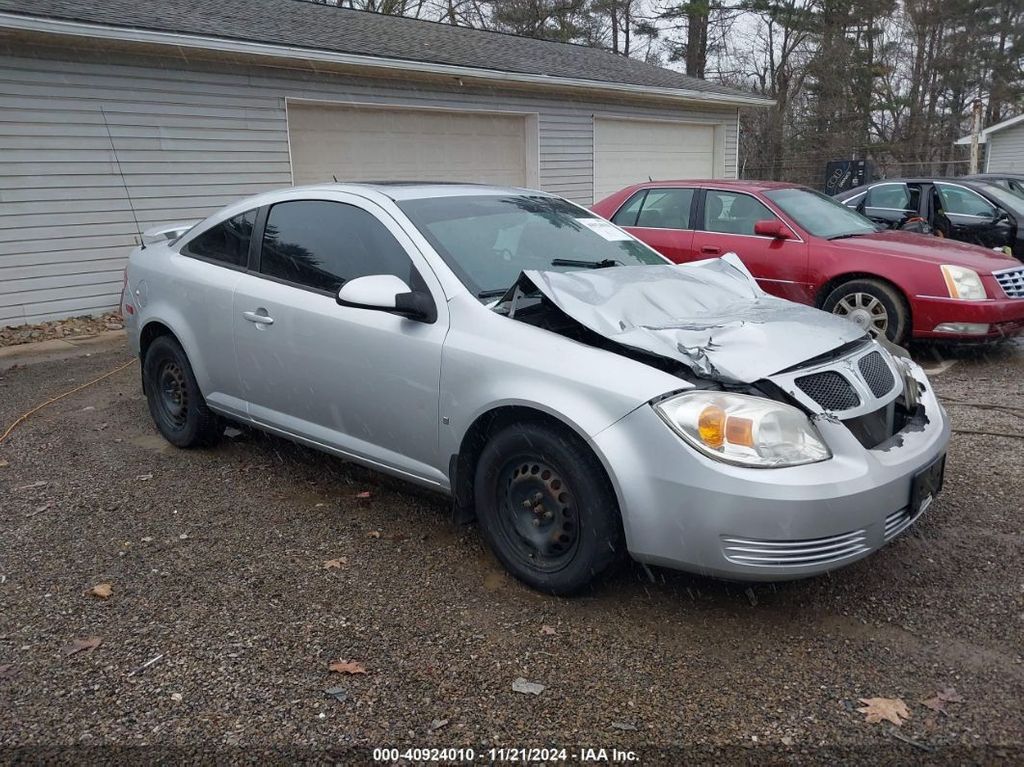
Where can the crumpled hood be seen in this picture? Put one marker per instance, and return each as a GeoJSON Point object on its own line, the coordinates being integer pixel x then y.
{"type": "Point", "coordinates": [709, 315]}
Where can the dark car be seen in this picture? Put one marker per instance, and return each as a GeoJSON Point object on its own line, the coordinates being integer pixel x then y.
{"type": "Point", "coordinates": [1012, 181]}
{"type": "Point", "coordinates": [977, 212]}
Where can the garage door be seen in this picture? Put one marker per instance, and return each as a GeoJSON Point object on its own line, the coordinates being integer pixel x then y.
{"type": "Point", "coordinates": [630, 151]}
{"type": "Point", "coordinates": [368, 144]}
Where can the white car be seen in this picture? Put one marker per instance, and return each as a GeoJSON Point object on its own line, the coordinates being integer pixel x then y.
{"type": "Point", "coordinates": [578, 394]}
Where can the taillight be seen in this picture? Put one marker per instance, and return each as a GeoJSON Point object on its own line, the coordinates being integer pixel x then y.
{"type": "Point", "coordinates": [126, 306]}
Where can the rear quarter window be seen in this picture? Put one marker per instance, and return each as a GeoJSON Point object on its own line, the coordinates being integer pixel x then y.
{"type": "Point", "coordinates": [226, 242]}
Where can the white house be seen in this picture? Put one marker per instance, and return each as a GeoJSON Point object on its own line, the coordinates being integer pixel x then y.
{"type": "Point", "coordinates": [1004, 146]}
{"type": "Point", "coordinates": [119, 115]}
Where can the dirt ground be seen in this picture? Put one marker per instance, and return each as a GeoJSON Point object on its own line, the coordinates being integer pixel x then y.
{"type": "Point", "coordinates": [224, 616]}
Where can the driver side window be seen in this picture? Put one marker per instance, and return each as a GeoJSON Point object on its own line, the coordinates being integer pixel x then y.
{"type": "Point", "coordinates": [960, 201]}
{"type": "Point", "coordinates": [322, 245]}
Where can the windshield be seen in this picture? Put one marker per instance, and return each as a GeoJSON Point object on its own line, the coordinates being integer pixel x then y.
{"type": "Point", "coordinates": [488, 240]}
{"type": "Point", "coordinates": [820, 215]}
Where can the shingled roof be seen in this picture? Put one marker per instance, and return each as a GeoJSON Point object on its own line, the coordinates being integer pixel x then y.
{"type": "Point", "coordinates": [313, 27]}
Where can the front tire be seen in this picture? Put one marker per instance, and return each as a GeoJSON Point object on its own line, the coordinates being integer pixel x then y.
{"type": "Point", "coordinates": [175, 402]}
{"type": "Point", "coordinates": [873, 305]}
{"type": "Point", "coordinates": [546, 508]}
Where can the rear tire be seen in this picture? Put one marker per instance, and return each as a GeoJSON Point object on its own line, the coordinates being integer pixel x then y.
{"type": "Point", "coordinates": [175, 402]}
{"type": "Point", "coordinates": [874, 305]}
{"type": "Point", "coordinates": [547, 509]}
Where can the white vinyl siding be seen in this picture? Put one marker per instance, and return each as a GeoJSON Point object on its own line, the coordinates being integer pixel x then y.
{"type": "Point", "coordinates": [191, 137]}
{"type": "Point", "coordinates": [1005, 152]}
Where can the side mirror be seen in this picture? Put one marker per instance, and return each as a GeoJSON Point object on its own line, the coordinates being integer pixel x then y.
{"type": "Point", "coordinates": [387, 293]}
{"type": "Point", "coordinates": [773, 228]}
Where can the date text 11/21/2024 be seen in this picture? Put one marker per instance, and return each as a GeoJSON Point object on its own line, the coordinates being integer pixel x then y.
{"type": "Point", "coordinates": [528, 755]}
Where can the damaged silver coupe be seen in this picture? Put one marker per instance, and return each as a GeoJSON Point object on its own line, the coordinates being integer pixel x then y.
{"type": "Point", "coordinates": [574, 392]}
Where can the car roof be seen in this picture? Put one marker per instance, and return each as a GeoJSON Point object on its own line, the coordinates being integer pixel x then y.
{"type": "Point", "coordinates": [745, 185]}
{"type": "Point", "coordinates": [416, 190]}
{"type": "Point", "coordinates": [991, 176]}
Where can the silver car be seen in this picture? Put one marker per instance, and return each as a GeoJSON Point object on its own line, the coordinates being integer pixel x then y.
{"type": "Point", "coordinates": [578, 395]}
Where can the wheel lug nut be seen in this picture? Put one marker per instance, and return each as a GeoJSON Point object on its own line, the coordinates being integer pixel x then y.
{"type": "Point", "coordinates": [527, 504]}
{"type": "Point", "coordinates": [536, 522]}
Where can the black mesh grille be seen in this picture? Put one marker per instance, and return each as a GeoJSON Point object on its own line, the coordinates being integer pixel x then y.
{"type": "Point", "coordinates": [830, 390]}
{"type": "Point", "coordinates": [876, 373]}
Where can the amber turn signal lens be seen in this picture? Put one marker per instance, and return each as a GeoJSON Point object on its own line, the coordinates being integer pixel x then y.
{"type": "Point", "coordinates": [740, 431]}
{"type": "Point", "coordinates": [711, 426]}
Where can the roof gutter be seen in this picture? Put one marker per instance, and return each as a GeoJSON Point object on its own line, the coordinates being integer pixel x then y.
{"type": "Point", "coordinates": [268, 50]}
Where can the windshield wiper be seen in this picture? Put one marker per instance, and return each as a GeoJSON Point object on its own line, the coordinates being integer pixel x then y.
{"type": "Point", "coordinates": [603, 264]}
{"type": "Point", "coordinates": [847, 235]}
{"type": "Point", "coordinates": [495, 293]}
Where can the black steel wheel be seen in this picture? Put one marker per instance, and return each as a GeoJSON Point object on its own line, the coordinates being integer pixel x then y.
{"type": "Point", "coordinates": [537, 518]}
{"type": "Point", "coordinates": [175, 402]}
{"type": "Point", "coordinates": [546, 508]}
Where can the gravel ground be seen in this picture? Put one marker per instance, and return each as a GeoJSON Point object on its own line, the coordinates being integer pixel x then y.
{"type": "Point", "coordinates": [217, 565]}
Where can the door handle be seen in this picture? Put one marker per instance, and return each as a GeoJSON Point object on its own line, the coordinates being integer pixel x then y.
{"type": "Point", "coordinates": [711, 250]}
{"type": "Point", "coordinates": [260, 317]}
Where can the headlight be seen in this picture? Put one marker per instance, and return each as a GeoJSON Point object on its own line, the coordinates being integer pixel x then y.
{"type": "Point", "coordinates": [749, 431]}
{"type": "Point", "coordinates": [963, 283]}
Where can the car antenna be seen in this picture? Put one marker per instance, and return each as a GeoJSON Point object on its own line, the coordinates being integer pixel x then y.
{"type": "Point", "coordinates": [335, 177]}
{"type": "Point", "coordinates": [120, 172]}
{"type": "Point", "coordinates": [650, 179]}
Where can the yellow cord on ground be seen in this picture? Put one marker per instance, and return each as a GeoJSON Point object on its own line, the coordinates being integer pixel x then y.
{"type": "Point", "coordinates": [37, 408]}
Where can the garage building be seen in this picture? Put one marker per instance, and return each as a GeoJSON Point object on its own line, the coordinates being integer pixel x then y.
{"type": "Point", "coordinates": [1004, 146]}
{"type": "Point", "coordinates": [121, 115]}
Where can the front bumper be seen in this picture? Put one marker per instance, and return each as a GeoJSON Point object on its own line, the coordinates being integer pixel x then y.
{"type": "Point", "coordinates": [1004, 316]}
{"type": "Point", "coordinates": [686, 511]}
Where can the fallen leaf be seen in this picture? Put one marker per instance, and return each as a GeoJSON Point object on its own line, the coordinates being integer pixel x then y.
{"type": "Point", "coordinates": [340, 694]}
{"type": "Point", "coordinates": [101, 591]}
{"type": "Point", "coordinates": [347, 667]}
{"type": "Point", "coordinates": [527, 688]}
{"type": "Point", "coordinates": [950, 695]}
{"type": "Point", "coordinates": [891, 709]}
{"type": "Point", "coordinates": [547, 630]}
{"type": "Point", "coordinates": [374, 534]}
{"type": "Point", "coordinates": [437, 724]}
{"type": "Point", "coordinates": [82, 644]}
{"type": "Point", "coordinates": [938, 701]}
{"type": "Point", "coordinates": [365, 495]}
{"type": "Point", "coordinates": [335, 564]}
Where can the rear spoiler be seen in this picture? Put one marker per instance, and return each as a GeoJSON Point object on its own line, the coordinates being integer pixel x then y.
{"type": "Point", "coordinates": [166, 232]}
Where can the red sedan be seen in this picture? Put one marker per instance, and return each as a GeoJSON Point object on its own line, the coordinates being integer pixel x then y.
{"type": "Point", "coordinates": [806, 247]}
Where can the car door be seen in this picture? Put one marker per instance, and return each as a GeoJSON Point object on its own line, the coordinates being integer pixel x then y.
{"type": "Point", "coordinates": [725, 223]}
{"type": "Point", "coordinates": [208, 265]}
{"type": "Point", "coordinates": [891, 204]}
{"type": "Point", "coordinates": [661, 218]}
{"type": "Point", "coordinates": [363, 382]}
{"type": "Point", "coordinates": [963, 214]}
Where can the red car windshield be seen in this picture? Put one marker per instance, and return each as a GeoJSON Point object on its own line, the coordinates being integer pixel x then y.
{"type": "Point", "coordinates": [820, 215]}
